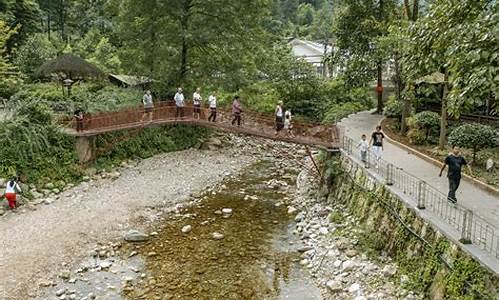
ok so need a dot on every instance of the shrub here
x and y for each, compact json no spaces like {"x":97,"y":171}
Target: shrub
{"x":426,"y":121}
{"x":393,"y":108}
{"x":340,"y":111}
{"x":474,"y":136}
{"x":416,"y":136}
{"x":91,"y":97}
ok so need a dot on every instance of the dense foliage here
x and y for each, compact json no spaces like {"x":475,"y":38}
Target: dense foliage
{"x":474,"y":136}
{"x":240,"y":47}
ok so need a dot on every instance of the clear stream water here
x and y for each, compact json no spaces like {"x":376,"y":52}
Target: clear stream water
{"x":256,"y":259}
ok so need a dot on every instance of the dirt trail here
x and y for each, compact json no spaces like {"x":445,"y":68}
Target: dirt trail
{"x":34,"y":245}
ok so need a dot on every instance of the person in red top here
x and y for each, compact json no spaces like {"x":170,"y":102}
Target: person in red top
{"x":11,"y":191}
{"x":236,"y":111}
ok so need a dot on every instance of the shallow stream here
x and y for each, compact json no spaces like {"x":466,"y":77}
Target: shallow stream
{"x":256,"y":258}
{"x":240,"y":246}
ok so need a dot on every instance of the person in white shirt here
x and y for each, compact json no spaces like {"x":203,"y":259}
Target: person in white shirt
{"x":147,"y":100}
{"x":212,"y":103}
{"x":197,"y":104}
{"x":179,"y":103}
{"x":363,"y":149}
{"x":11,"y":191}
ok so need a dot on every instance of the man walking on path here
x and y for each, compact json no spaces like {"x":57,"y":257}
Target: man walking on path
{"x":197,"y":104}
{"x":236,"y":111}
{"x":179,"y":103}
{"x":454,"y":161}
{"x":147,"y":100}
{"x":377,"y":142}
{"x":212,"y":103}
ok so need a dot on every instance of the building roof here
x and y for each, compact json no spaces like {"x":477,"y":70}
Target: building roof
{"x":130,"y":80}
{"x":310,"y":51}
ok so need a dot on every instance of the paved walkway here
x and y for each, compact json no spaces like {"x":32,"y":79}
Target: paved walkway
{"x":470,"y":196}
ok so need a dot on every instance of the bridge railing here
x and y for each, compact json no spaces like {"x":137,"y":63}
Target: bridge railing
{"x":162,"y":112}
{"x":473,"y":228}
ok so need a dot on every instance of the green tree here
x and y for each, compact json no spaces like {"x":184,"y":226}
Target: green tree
{"x":34,"y":52}
{"x":185,"y":39}
{"x":474,"y":136}
{"x":460,"y":40}
{"x":9,"y":77}
{"x":23,"y":14}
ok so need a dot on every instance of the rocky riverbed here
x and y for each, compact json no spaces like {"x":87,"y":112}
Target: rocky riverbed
{"x":239,"y":221}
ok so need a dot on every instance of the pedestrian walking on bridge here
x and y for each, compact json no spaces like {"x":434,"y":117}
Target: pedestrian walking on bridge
{"x":454,"y":161}
{"x":179,"y":103}
{"x":212,"y":103}
{"x":236,"y":111}
{"x":196,"y":104}
{"x":147,"y":101}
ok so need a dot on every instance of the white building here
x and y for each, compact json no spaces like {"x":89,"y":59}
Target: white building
{"x":313,"y":53}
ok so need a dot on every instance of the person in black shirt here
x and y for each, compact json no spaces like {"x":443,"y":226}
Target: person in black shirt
{"x":377,"y":142}
{"x":454,"y":161}
{"x":79,"y":119}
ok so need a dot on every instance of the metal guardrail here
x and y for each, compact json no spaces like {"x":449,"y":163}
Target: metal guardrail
{"x":472,"y":227}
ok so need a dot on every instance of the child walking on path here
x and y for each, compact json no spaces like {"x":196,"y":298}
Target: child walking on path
{"x":363,"y":150}
{"x":11,"y":191}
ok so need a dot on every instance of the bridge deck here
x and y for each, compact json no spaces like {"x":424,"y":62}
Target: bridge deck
{"x":314,"y":134}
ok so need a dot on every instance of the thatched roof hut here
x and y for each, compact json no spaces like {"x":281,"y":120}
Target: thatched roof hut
{"x":71,"y":66}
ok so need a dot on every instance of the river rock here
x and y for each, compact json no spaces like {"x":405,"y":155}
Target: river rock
{"x":348,"y":265}
{"x":291,"y":210}
{"x":105,"y":264}
{"x":351,"y":253}
{"x":404,"y":279}
{"x":227,"y":211}
{"x":60,"y":292}
{"x":186,"y":229}
{"x":65,"y":274}
{"x":135,"y":236}
{"x":217,"y":236}
{"x":299,"y":217}
{"x":323,"y":230}
{"x":337,"y":263}
{"x":334,"y":286}
{"x":354,"y":288}
{"x":36,"y":194}
{"x":389,"y":270}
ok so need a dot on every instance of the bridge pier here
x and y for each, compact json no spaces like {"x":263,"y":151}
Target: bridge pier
{"x":85,"y":148}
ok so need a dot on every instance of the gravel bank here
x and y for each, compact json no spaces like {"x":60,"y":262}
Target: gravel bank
{"x":37,"y":244}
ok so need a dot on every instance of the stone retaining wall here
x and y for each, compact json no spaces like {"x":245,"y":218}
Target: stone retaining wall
{"x":436,"y":266}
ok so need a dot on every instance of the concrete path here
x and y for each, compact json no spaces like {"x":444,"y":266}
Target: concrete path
{"x":470,"y":196}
